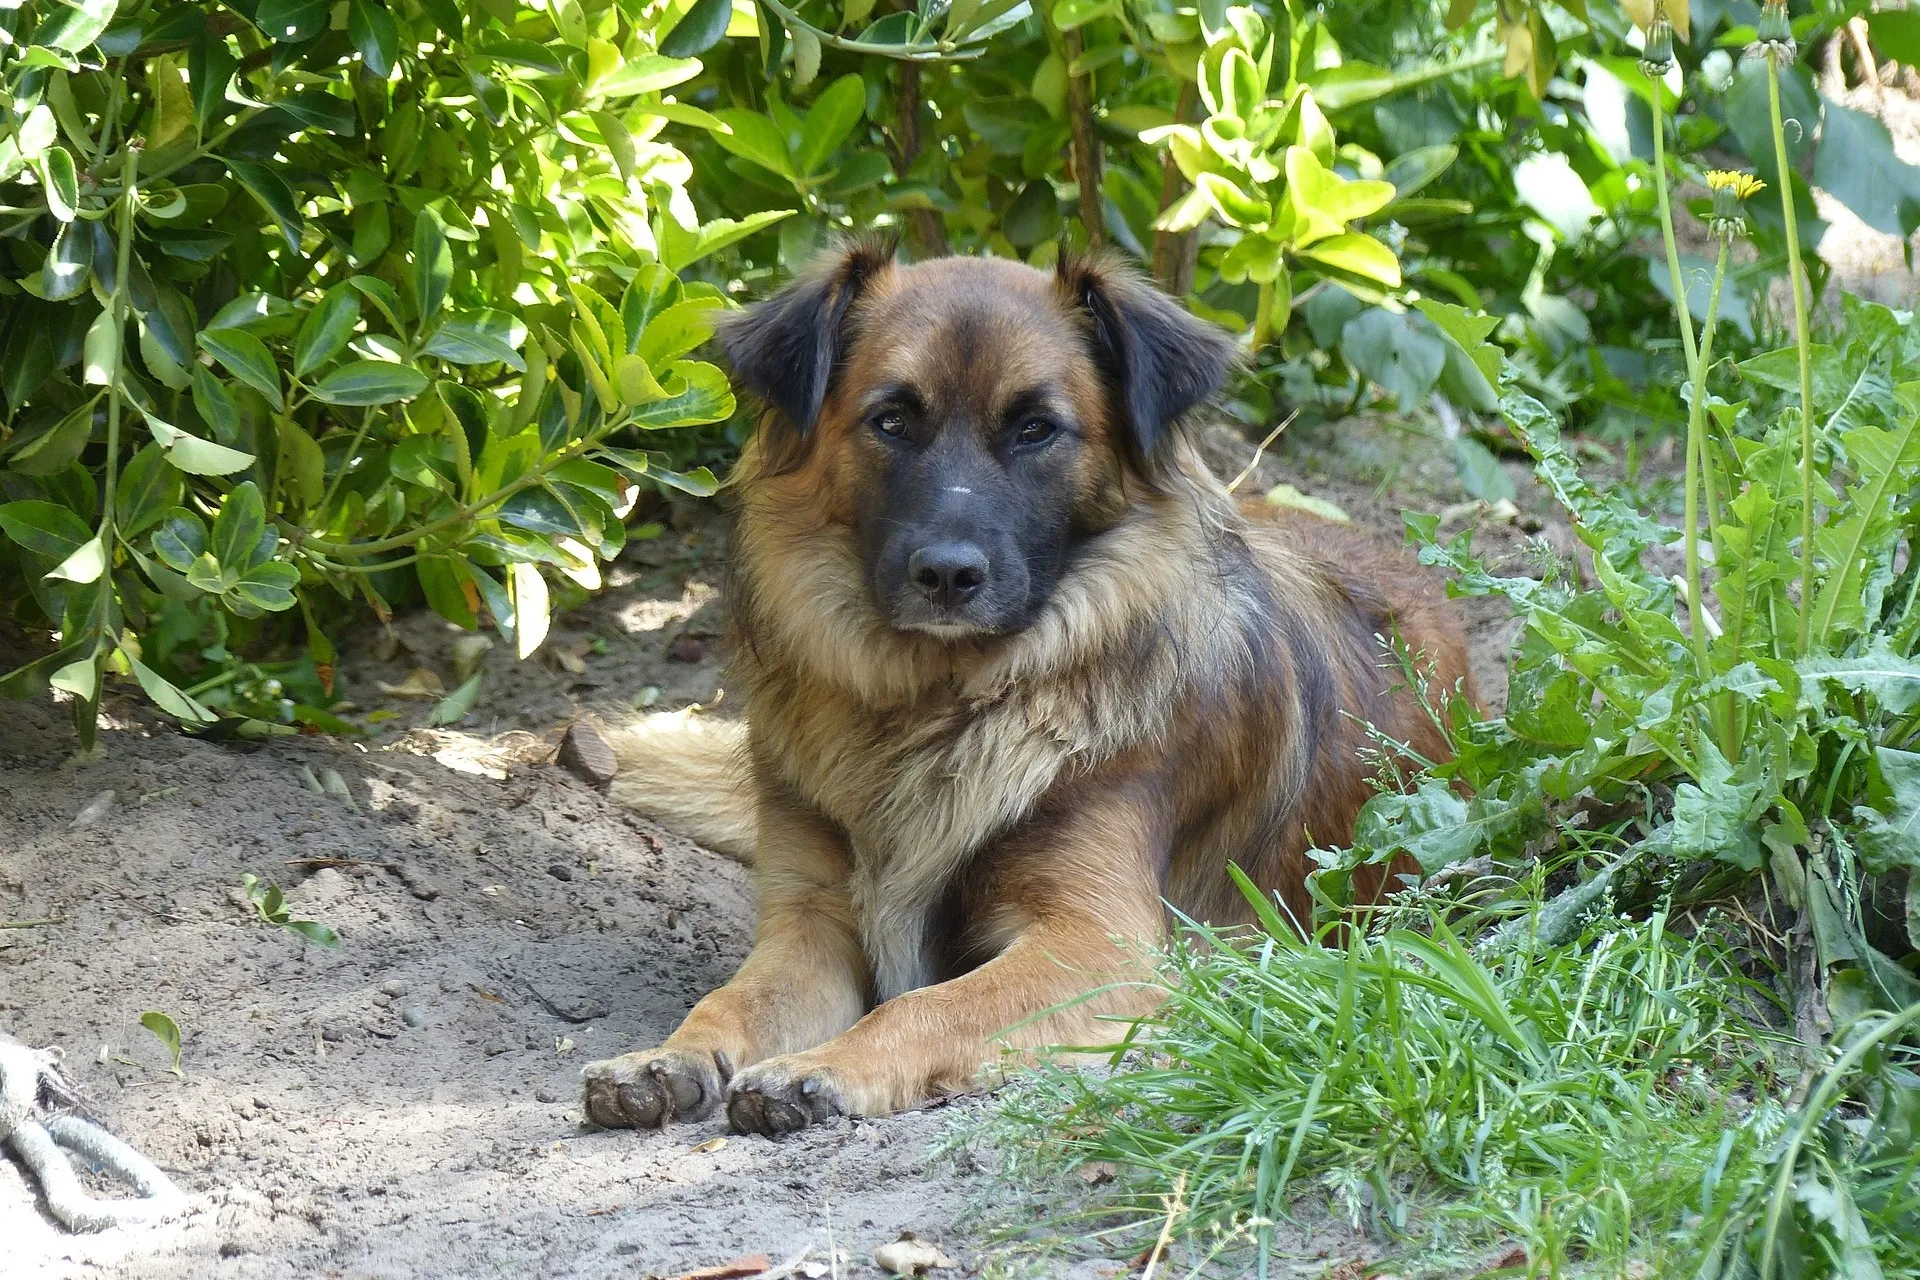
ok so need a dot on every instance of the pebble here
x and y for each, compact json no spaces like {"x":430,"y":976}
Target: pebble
{"x":497,"y":1047}
{"x":334,"y":1034}
{"x":393,"y":989}
{"x":544,"y":1094}
{"x":585,"y":754}
{"x":559,"y":872}
{"x":414,"y":1016}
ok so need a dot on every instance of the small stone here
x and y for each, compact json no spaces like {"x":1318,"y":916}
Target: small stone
{"x":497,"y":1047}
{"x":414,"y":1016}
{"x":381,"y":1000}
{"x":544,"y":1094}
{"x":559,"y":872}
{"x":333,"y":1035}
{"x":586,"y":755}
{"x":686,"y":649}
{"x":393,"y":988}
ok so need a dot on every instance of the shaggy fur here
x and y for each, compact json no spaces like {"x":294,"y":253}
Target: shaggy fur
{"x":962,"y":820}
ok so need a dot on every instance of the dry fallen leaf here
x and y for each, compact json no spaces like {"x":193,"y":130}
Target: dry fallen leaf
{"x":911,"y":1256}
{"x":740,"y":1268}
{"x":421,"y":684}
{"x":1096,"y":1173}
{"x":709,"y":1146}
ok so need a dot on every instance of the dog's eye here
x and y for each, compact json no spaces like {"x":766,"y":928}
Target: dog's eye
{"x":890,"y":423}
{"x":1036,"y":431}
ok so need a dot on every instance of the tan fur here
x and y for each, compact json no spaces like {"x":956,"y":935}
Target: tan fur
{"x":690,"y":773}
{"x":956,"y":836}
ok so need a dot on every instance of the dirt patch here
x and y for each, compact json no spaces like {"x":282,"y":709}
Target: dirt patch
{"x":408,"y":1104}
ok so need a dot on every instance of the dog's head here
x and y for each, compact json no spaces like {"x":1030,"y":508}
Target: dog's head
{"x":972,"y":419}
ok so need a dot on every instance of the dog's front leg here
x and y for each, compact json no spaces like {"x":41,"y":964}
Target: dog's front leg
{"x":1075,"y":903}
{"x":805,"y":980}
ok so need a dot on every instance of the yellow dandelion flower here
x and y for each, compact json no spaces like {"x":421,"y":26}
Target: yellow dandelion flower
{"x":1739,"y":186}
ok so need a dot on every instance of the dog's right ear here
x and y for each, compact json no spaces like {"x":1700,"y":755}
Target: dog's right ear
{"x":785,"y":350}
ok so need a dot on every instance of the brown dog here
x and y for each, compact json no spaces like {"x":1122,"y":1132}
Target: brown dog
{"x":1018,"y":673}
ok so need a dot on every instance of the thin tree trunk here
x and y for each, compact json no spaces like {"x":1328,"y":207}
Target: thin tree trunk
{"x":1085,"y":146}
{"x":928,"y":232}
{"x":1170,"y":258}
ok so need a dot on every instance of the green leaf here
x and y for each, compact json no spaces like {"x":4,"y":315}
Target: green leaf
{"x":478,"y":339}
{"x":247,"y":359}
{"x":58,"y":180}
{"x":1856,"y":165}
{"x":1480,"y":472}
{"x":648,"y":74}
{"x":1070,"y":14}
{"x":313,"y":931}
{"x":678,"y":330}
{"x":1357,"y":254}
{"x":100,"y":356}
{"x":180,"y":540}
{"x":370,"y":382}
{"x":148,"y":488}
{"x":239,"y":529}
{"x":702,"y":27}
{"x":170,"y":699}
{"x":681,"y":249}
{"x":44,"y":528}
{"x":1890,"y":678}
{"x":57,"y":448}
{"x":528,"y":591}
{"x":372,"y":29}
{"x":64,"y":273}
{"x":696,"y":393}
{"x":806,"y":56}
{"x":1402,"y":356}
{"x":432,"y":265}
{"x":326,"y":330}
{"x":167,"y":1030}
{"x":198,"y":457}
{"x":85,"y":565}
{"x":274,"y":195}
{"x":454,"y":708}
{"x":833,"y":115}
{"x":291,"y":21}
{"x":268,"y":586}
{"x":75,"y":25}
{"x":754,"y":137}
{"x":1896,"y":33}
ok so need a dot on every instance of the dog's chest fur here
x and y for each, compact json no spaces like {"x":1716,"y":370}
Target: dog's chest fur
{"x":919,"y":789}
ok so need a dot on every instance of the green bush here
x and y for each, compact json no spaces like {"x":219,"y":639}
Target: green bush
{"x":309,"y":303}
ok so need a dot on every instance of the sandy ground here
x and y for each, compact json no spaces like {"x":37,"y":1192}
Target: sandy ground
{"x":407,"y":1105}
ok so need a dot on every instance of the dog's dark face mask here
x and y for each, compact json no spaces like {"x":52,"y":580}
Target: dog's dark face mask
{"x":984,"y":417}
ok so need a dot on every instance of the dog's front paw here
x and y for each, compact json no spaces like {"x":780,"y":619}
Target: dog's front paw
{"x":647,"y":1090}
{"x":783,"y":1095}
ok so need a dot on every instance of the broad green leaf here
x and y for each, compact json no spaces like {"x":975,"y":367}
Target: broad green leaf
{"x":86,"y":564}
{"x":268,"y":586}
{"x":75,"y":25}
{"x":180,"y":540}
{"x":1071,"y":14}
{"x":176,"y":703}
{"x":696,"y":393}
{"x":169,"y":1033}
{"x":1896,"y":34}
{"x":172,"y":120}
{"x":680,"y":249}
{"x":432,"y":265}
{"x":100,"y":357}
{"x":806,"y":56}
{"x":480,"y":339}
{"x":247,"y":359}
{"x":699,"y":29}
{"x":199,"y":457}
{"x":372,"y":29}
{"x":528,"y":591}
{"x":81,"y":679}
{"x":370,"y":382}
{"x":678,"y":330}
{"x":64,"y":273}
{"x":58,"y":180}
{"x":148,"y":488}
{"x":634,"y":382}
{"x":275,"y":196}
{"x":303,"y":466}
{"x":647,"y":74}
{"x":57,"y":448}
{"x":1357,"y":254}
{"x":292,"y":21}
{"x":44,"y":528}
{"x":326,"y":330}
{"x":1395,"y":351}
{"x":238,"y":529}
{"x":454,"y":708}
{"x":754,"y":137}
{"x":832,"y":117}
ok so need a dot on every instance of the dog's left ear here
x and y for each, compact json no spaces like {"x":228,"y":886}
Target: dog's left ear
{"x":1160,"y":359}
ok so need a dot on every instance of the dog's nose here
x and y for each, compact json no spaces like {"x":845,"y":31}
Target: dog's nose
{"x":948,"y":573}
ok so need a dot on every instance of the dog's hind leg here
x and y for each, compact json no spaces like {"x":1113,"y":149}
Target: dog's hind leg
{"x":689,"y":773}
{"x":805,"y":981}
{"x":1075,"y":903}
